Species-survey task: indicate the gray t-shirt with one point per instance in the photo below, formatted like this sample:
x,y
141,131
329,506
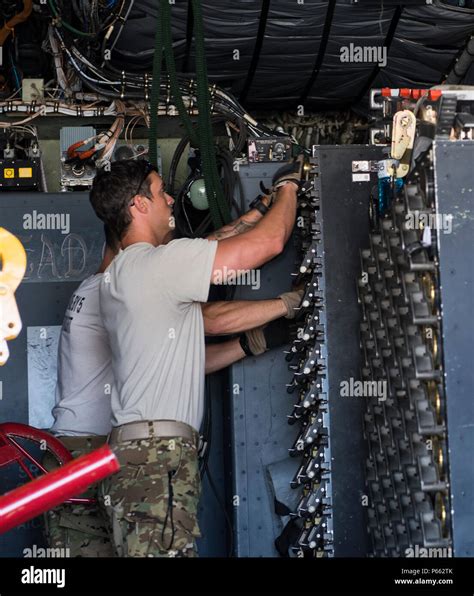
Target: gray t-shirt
x,y
85,376
149,300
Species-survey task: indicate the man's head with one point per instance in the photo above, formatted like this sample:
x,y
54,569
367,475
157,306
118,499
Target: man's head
x,y
131,200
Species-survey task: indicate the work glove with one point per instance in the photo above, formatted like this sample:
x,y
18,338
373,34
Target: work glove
x,y
290,172
261,339
292,302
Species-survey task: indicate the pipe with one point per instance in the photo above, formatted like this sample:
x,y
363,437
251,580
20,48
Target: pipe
x,y
462,64
44,493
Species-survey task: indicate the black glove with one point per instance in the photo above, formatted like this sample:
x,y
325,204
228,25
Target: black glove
x,y
290,172
261,339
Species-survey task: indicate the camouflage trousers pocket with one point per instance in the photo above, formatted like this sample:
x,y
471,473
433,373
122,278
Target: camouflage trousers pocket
x,y
173,536
163,526
153,500
82,535
186,521
92,524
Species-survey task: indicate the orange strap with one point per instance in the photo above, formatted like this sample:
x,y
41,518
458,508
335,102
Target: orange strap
x,y
9,27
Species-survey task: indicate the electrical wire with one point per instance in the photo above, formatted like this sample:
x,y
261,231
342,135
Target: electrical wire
x,y
111,137
40,112
128,134
129,85
59,22
57,58
13,94
52,107
44,184
111,27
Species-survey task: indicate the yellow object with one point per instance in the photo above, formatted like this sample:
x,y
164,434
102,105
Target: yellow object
x,y
9,173
25,172
13,267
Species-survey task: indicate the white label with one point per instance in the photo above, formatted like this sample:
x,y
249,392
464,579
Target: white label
x,y
360,177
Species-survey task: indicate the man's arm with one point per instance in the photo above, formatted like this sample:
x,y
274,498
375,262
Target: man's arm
x,y
253,342
221,355
241,225
263,242
235,316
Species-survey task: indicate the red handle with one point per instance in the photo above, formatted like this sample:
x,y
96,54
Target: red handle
x,y
46,492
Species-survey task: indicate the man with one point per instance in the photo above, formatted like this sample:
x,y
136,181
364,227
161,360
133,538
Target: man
x,y
82,411
150,302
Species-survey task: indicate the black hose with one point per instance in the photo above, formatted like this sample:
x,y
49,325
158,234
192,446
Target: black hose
x,y
462,64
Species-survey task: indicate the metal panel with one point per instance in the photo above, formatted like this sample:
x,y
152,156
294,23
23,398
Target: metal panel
x,y
334,450
261,436
454,187
260,433
345,226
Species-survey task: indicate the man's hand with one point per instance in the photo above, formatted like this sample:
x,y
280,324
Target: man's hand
x,y
251,343
260,340
290,172
292,302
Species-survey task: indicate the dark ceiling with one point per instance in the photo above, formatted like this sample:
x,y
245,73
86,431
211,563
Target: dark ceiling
x,y
289,51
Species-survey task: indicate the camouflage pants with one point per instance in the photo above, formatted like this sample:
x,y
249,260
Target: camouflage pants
x,y
152,501
80,528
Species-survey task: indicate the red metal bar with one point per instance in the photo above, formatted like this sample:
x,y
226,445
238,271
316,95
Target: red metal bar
x,y
23,431
46,492
8,430
8,455
28,456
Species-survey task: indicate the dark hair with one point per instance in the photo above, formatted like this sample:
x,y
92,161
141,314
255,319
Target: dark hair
x,y
114,189
110,238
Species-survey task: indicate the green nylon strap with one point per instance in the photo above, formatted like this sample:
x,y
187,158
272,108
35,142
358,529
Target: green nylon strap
x,y
155,92
203,137
217,202
165,9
